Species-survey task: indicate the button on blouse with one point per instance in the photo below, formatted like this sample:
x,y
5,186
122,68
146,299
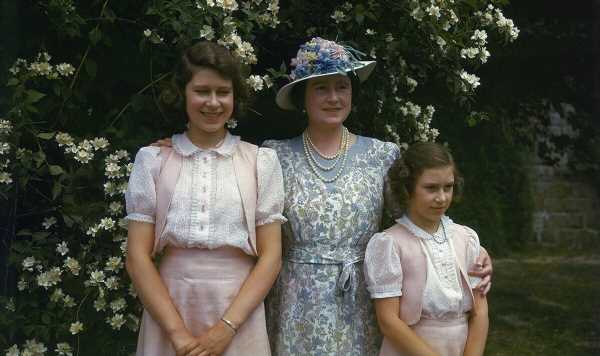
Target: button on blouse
x,y
206,210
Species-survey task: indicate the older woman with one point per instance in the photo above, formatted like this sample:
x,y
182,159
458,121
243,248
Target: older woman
x,y
334,186
213,203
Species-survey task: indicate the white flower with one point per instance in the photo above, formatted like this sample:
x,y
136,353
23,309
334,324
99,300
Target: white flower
x,y
338,16
210,3
57,295
69,301
65,69
28,263
389,37
49,222
370,32
207,32
118,305
5,178
228,5
114,263
417,14
147,32
62,248
5,127
22,285
115,207
112,283
480,37
92,231
64,349
107,224
96,277
471,79
484,54
63,139
49,278
4,148
469,52
10,305
100,143
117,321
13,351
73,265
100,304
411,83
434,11
255,82
34,348
76,327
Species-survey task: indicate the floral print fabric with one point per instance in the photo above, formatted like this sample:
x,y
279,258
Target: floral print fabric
x,y
319,305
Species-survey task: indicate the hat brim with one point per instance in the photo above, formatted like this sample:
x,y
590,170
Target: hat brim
x,y
284,100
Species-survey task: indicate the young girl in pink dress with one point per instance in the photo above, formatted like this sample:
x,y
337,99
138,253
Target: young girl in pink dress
x,y
212,204
416,270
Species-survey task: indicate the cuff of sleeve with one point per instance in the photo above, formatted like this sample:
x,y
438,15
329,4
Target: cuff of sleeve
x,y
382,293
271,219
140,217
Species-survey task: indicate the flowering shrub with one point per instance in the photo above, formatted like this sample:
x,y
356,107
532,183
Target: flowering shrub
x,y
69,128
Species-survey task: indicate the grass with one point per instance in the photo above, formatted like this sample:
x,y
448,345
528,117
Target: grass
x,y
543,305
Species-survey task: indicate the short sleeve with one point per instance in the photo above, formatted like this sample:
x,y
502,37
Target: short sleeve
x,y
473,251
140,198
383,272
269,205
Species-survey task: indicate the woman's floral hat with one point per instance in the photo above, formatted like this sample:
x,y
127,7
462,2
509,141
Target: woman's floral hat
x,y
319,57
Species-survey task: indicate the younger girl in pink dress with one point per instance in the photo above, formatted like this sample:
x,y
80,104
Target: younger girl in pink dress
x,y
416,270
213,203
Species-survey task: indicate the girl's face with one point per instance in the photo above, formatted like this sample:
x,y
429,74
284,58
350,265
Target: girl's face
x,y
431,197
328,99
208,101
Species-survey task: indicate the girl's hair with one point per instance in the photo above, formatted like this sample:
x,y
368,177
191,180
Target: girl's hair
x,y
405,172
298,94
216,57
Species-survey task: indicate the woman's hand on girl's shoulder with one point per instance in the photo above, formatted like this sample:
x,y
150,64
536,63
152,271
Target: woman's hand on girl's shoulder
x,y
165,142
483,268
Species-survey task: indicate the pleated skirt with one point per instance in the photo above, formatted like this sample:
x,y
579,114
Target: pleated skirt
x,y
202,284
446,337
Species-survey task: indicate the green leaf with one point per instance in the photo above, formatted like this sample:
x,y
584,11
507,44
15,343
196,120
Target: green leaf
x,y
95,35
33,96
24,232
12,82
46,135
56,190
41,235
55,170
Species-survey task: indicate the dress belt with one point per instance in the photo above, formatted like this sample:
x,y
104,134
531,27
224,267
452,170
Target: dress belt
x,y
347,280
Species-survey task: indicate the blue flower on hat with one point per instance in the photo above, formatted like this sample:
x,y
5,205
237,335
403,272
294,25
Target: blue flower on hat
x,y
320,56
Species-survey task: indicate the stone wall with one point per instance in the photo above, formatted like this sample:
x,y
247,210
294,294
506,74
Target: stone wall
x,y
566,204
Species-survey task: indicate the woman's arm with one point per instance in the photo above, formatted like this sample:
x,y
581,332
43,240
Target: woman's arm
x,y
396,331
478,326
253,291
150,287
483,269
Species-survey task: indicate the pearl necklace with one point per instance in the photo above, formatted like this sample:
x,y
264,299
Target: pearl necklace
x,y
311,148
314,165
440,239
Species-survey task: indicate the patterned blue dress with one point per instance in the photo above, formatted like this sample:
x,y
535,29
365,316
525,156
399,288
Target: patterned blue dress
x,y
320,305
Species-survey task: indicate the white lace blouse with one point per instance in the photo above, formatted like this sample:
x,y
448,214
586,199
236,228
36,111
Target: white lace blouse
x,y
206,209
443,295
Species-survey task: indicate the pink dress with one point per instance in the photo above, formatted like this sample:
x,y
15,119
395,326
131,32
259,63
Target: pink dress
x,y
208,255
446,301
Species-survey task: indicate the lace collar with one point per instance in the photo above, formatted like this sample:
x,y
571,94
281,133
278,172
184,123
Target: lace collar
x,y
420,233
185,147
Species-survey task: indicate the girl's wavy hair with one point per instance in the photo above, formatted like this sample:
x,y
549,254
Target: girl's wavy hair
x,y
210,55
405,172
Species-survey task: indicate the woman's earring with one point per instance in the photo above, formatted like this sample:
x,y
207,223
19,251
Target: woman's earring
x,y
231,123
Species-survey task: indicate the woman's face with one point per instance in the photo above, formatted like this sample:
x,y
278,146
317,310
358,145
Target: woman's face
x,y
328,99
431,196
208,101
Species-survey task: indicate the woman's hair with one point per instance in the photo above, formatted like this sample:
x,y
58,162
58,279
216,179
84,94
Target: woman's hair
x,y
405,172
213,56
298,94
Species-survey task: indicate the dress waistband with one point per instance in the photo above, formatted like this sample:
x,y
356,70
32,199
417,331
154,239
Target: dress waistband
x,y
347,280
